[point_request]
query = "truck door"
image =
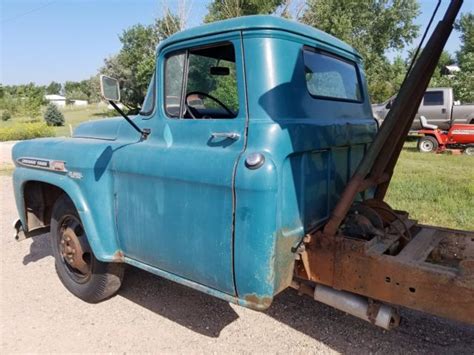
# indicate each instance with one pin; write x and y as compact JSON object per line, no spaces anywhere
{"x":434,"y":107}
{"x":174,"y":192}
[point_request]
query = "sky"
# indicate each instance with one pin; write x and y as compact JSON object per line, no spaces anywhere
{"x":46,"y":40}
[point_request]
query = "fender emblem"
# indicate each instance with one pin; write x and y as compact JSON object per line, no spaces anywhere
{"x":47,"y":164}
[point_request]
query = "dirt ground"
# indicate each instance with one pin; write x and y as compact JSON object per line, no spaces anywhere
{"x":151,"y":314}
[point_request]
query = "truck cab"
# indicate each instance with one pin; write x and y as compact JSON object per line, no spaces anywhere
{"x":255,"y":126}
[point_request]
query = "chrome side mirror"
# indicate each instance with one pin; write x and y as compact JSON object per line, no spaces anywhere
{"x":109,"y":88}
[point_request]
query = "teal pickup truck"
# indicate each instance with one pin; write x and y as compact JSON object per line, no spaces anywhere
{"x":248,"y":135}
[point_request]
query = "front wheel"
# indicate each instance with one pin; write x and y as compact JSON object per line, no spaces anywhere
{"x":80,"y":272}
{"x":427,"y":144}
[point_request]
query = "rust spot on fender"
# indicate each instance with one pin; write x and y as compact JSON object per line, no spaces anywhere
{"x":118,"y":257}
{"x":258,"y":303}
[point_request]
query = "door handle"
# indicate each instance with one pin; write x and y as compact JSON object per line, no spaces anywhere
{"x":230,"y":135}
{"x":443,"y":110}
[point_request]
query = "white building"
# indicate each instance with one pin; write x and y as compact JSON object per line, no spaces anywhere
{"x":58,"y":100}
{"x":79,"y":102}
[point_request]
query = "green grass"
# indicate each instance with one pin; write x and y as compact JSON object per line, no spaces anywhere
{"x":73,"y":117}
{"x":436,"y":189}
{"x":21,"y":131}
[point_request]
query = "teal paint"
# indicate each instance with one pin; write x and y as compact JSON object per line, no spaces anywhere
{"x":185,"y":207}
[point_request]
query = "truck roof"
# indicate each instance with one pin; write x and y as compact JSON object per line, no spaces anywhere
{"x":258,"y":22}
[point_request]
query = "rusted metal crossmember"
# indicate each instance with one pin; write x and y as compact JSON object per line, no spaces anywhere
{"x":433,"y":272}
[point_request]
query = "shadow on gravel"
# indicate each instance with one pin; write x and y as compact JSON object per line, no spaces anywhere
{"x":206,"y":315}
{"x":192,"y":309}
{"x":39,"y":249}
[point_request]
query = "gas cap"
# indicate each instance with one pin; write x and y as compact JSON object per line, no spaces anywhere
{"x":254,"y":160}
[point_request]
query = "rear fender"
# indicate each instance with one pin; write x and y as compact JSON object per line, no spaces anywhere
{"x":440,"y":137}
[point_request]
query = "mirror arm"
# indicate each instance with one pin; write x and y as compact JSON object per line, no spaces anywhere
{"x":144,"y":133}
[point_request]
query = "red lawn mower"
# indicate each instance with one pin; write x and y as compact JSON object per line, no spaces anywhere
{"x":435,"y":140}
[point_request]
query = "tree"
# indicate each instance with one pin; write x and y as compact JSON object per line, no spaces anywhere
{"x":32,"y":98}
{"x":53,"y":88}
{"x":53,"y":116}
{"x":168,"y":25}
{"x":133,"y":66}
{"x":82,"y":90}
{"x":466,"y":27}
{"x":94,"y":88}
{"x":372,"y":27}
{"x":445,"y":59}
{"x":462,"y":82}
{"x":23,"y":100}
{"x":225,"y":9}
{"x":389,"y":78}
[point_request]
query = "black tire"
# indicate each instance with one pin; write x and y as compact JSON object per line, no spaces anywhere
{"x":427,"y":144}
{"x":100,"y":280}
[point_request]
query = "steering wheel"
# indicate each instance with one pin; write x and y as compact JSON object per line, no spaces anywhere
{"x":199,"y":93}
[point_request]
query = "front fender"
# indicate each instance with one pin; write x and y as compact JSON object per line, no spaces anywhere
{"x":100,"y":233}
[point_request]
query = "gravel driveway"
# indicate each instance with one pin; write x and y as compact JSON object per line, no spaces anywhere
{"x":151,"y":314}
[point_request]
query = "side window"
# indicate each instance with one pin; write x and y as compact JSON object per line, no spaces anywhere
{"x":211,"y":84}
{"x":174,"y":69}
{"x":433,"y":98}
{"x":331,"y":77}
{"x":149,"y":102}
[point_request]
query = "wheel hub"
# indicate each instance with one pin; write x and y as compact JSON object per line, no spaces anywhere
{"x":427,"y":146}
{"x":73,"y":250}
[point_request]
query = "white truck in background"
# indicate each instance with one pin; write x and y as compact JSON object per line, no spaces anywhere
{"x":438,"y":106}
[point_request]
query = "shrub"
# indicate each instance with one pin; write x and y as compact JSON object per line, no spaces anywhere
{"x":6,"y":115}
{"x":20,"y":131}
{"x":53,"y":116}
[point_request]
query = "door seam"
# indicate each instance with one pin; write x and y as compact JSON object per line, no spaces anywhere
{"x":236,"y":163}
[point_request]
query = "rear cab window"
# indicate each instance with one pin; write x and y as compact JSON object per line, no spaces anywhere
{"x":331,"y":77}
{"x":433,"y":98}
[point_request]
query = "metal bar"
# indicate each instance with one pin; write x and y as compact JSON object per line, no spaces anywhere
{"x":143,"y":133}
{"x":440,"y":282}
{"x":421,"y":246}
